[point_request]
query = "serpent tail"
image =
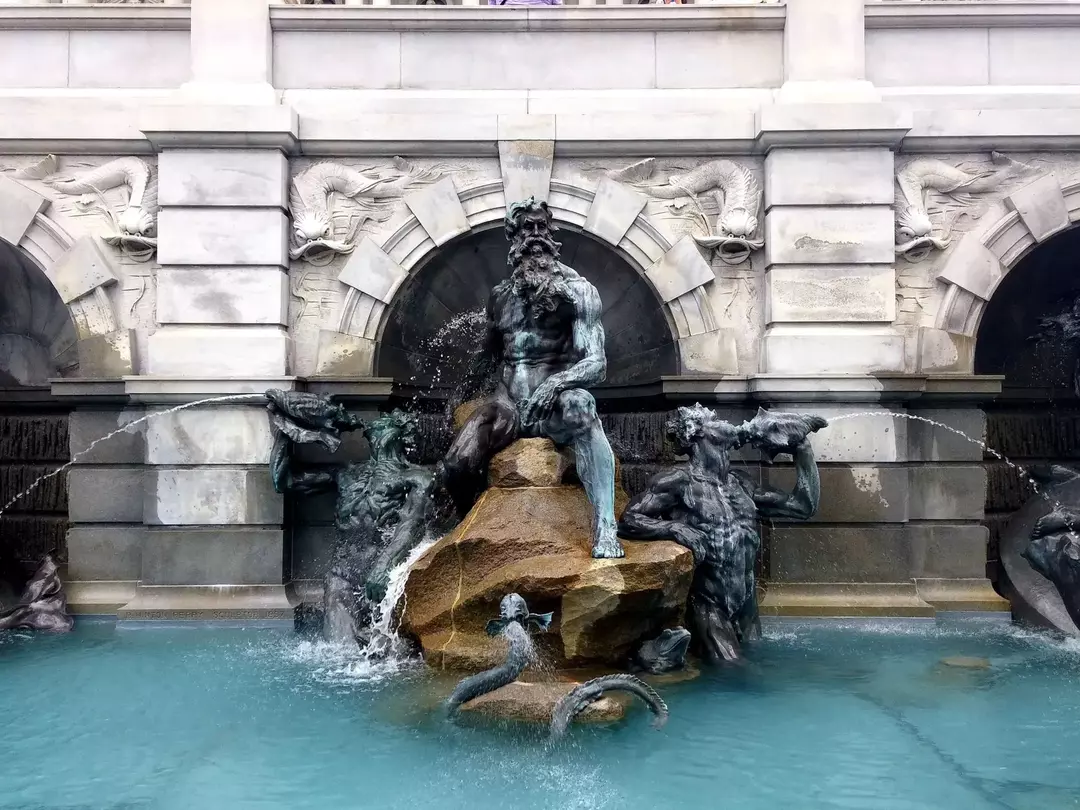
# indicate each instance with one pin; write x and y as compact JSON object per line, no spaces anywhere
{"x":517,"y":658}
{"x":578,"y":699}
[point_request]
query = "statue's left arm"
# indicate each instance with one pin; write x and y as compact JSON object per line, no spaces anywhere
{"x":802,"y":502}
{"x":588,"y":338}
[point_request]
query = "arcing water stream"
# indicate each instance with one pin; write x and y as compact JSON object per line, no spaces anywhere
{"x":125,"y":429}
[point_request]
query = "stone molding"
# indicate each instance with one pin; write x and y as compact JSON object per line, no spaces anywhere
{"x":983,"y":258}
{"x":676,"y":272}
{"x":80,"y":270}
{"x":970,"y":14}
{"x":67,"y":17}
{"x":718,"y":17}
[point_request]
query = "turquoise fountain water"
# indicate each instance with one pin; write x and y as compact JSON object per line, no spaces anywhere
{"x":826,"y":715}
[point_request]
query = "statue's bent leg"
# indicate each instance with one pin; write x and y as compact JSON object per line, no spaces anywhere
{"x":576,"y":423}
{"x":490,"y":429}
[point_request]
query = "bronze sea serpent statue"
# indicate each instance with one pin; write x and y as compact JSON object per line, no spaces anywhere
{"x":382,"y":503}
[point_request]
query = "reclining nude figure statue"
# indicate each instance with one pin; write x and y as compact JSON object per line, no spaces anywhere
{"x":545,"y":335}
{"x":713,"y":511}
{"x":382,"y":503}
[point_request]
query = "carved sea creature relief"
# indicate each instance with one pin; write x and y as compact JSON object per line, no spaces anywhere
{"x":733,"y":188}
{"x":330,"y":204}
{"x":916,"y":236}
{"x":132,"y":225}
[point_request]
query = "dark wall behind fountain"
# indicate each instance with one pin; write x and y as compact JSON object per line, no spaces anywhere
{"x":1036,"y":420}
{"x":32,"y":444}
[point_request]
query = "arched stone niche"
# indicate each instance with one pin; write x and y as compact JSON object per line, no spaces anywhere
{"x":37,"y":335}
{"x":377,"y":270}
{"x":982,"y":259}
{"x":81,"y":273}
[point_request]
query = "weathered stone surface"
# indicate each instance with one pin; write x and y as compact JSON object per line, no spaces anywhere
{"x":528,"y":463}
{"x":534,"y":703}
{"x":536,"y":541}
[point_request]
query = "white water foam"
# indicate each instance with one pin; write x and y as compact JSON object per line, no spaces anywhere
{"x":386,"y":654}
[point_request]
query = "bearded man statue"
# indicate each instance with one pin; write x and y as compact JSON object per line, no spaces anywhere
{"x":547,"y":343}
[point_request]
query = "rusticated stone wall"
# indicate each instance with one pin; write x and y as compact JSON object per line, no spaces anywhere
{"x":30,"y":446}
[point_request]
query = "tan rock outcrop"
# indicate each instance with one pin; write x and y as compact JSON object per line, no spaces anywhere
{"x":536,"y":541}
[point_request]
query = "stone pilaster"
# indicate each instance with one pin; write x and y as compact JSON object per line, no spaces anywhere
{"x":105,"y":492}
{"x":215,"y":545}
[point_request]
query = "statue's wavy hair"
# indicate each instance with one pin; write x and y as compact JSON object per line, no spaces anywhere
{"x":515,"y":211}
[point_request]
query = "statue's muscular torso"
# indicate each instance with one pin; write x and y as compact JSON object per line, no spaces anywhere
{"x":533,"y":344}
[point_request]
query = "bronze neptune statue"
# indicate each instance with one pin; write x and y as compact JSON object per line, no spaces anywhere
{"x":546,"y":338}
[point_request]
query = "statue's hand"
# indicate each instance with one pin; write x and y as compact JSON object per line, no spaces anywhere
{"x":693,"y":539}
{"x":541,"y":404}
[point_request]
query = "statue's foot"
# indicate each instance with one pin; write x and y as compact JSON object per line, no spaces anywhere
{"x":606,"y":545}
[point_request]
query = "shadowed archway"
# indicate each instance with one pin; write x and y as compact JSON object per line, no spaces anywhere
{"x":37,"y":342}
{"x":1036,"y":419}
{"x":436,"y":318}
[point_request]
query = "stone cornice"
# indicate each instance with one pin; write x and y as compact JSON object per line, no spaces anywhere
{"x":1002,"y":130}
{"x":970,"y":14}
{"x":110,"y":124}
{"x":219,"y":126}
{"x":98,"y":17}
{"x":411,"y":19}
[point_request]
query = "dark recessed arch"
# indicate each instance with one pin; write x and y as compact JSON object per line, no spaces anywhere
{"x":437,"y":315}
{"x":37,"y":335}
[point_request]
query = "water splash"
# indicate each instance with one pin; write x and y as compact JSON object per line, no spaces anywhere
{"x":128,"y":428}
{"x":385,"y":642}
{"x":386,"y":653}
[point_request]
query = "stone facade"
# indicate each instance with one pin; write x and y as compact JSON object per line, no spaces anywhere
{"x":815,"y":200}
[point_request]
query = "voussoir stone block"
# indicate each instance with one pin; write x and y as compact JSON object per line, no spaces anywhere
{"x":613,"y":210}
{"x":680,"y":270}
{"x":344,"y":355}
{"x":526,"y":168}
{"x":18,"y":207}
{"x":211,"y":496}
{"x":1041,"y":207}
{"x":371,"y":271}
{"x":439,"y":210}
{"x":107,"y":356}
{"x":82,"y":269}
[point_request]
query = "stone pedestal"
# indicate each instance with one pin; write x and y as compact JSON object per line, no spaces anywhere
{"x":531,"y":535}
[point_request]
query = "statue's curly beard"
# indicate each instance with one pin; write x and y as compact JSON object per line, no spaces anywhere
{"x":536,"y":278}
